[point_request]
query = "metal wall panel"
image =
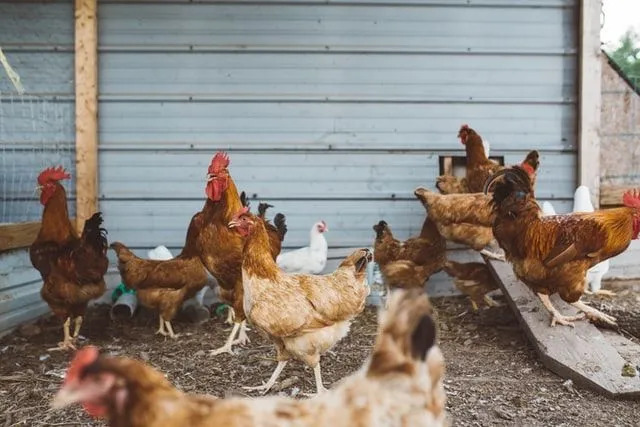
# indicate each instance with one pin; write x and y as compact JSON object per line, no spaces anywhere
{"x":36,"y":131}
{"x":335,"y":111}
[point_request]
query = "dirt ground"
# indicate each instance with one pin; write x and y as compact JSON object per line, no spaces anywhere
{"x":493,"y":376}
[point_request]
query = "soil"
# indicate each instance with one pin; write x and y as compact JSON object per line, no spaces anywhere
{"x":493,"y":375}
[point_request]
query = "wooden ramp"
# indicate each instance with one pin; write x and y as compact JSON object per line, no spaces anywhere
{"x":584,"y":354}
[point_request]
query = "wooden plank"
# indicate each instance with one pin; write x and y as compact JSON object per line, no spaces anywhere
{"x":86,"y":78}
{"x":611,"y":195}
{"x":20,"y":235}
{"x":590,"y":98}
{"x":581,"y":354}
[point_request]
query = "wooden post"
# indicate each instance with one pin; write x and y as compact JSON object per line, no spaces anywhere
{"x":86,"y":70}
{"x":590,"y":69}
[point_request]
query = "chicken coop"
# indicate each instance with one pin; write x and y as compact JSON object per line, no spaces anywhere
{"x":329,"y":110}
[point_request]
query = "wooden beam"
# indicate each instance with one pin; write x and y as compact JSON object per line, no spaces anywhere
{"x":21,"y":235}
{"x":86,"y":77}
{"x":583,"y":354}
{"x":611,"y":195}
{"x":590,"y":72}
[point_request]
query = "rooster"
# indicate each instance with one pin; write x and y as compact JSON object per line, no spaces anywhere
{"x":400,"y":385}
{"x":303,"y":315}
{"x":71,"y":267}
{"x":551,"y":254}
{"x":310,"y":259}
{"x":409,"y":264}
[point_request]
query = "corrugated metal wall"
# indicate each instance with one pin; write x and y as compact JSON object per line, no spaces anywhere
{"x":329,"y":110}
{"x":36,"y":130}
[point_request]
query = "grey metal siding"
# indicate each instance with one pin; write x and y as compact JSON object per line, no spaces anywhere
{"x":36,"y":131}
{"x":329,"y":110}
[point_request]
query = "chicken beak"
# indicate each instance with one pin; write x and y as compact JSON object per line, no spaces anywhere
{"x":38,"y":189}
{"x":418,"y":192}
{"x":233,"y":223}
{"x":67,"y":395}
{"x":210,"y":177}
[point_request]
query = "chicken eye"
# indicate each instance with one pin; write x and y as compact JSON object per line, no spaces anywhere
{"x":520,"y":195}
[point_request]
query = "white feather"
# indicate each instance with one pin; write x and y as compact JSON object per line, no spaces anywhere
{"x":547,"y":209}
{"x":310,"y":259}
{"x":487,"y":147}
{"x":160,"y":253}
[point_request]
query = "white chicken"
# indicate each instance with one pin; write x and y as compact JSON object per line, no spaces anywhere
{"x":310,"y":259}
{"x":582,"y":203}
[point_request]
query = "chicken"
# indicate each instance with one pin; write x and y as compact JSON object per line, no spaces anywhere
{"x":409,"y":264}
{"x":276,"y":231}
{"x":400,"y":385}
{"x":303,"y":315}
{"x":71,"y":267}
{"x":467,"y":218}
{"x":474,"y":280}
{"x":310,"y":259}
{"x":162,"y":285}
{"x":479,"y":166}
{"x":461,"y":218}
{"x":552,"y":254}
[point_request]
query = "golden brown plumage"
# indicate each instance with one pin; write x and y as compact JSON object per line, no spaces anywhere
{"x":401,"y":385}
{"x":303,"y":315}
{"x":71,"y":267}
{"x":479,"y":167}
{"x":552,"y":254}
{"x":474,"y":280}
{"x":162,"y":285}
{"x":409,"y":264}
{"x":461,"y":218}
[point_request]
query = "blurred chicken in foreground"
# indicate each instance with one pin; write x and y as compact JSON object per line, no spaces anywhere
{"x":552,"y":254}
{"x":400,"y":385}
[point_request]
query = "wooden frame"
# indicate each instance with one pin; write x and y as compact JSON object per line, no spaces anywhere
{"x":86,"y":81}
{"x":590,"y":98}
{"x":20,"y":235}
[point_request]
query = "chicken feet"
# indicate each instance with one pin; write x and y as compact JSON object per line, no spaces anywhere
{"x":165,"y":328}
{"x":556,"y":316}
{"x":243,"y":338}
{"x":493,"y":255}
{"x":593,"y":314}
{"x":67,"y":343}
{"x":601,"y":292}
{"x":319,"y":386}
{"x":276,"y":373}
{"x":227,"y":347}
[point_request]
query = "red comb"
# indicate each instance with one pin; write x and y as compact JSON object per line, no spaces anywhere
{"x":219,"y":162}
{"x":52,"y":174}
{"x":528,"y":168}
{"x":631,"y":199}
{"x":464,"y":127}
{"x":84,"y":357}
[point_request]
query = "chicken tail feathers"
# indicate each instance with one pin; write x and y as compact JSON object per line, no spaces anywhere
{"x":280,"y":222}
{"x":406,"y":334}
{"x":93,"y":234}
{"x":262,"y":209}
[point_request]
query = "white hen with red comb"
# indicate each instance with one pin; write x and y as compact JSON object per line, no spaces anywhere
{"x":310,"y":259}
